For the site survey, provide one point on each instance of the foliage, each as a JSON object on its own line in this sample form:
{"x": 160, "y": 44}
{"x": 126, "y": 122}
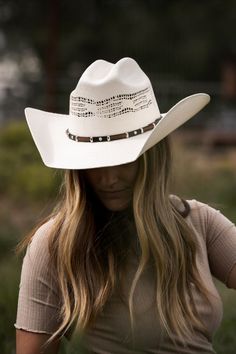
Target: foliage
{"x": 224, "y": 339}
{"x": 23, "y": 176}
{"x": 208, "y": 176}
{"x": 53, "y": 41}
{"x": 174, "y": 34}
{"x": 9, "y": 278}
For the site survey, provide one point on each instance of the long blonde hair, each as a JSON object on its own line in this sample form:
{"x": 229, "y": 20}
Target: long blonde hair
{"x": 87, "y": 265}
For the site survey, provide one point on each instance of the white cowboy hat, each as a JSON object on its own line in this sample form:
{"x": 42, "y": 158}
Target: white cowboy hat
{"x": 113, "y": 119}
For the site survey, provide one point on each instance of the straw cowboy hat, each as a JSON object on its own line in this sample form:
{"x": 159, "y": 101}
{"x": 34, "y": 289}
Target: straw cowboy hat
{"x": 113, "y": 119}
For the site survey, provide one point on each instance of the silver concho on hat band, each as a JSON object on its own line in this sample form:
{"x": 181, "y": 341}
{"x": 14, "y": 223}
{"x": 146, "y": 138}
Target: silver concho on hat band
{"x": 99, "y": 139}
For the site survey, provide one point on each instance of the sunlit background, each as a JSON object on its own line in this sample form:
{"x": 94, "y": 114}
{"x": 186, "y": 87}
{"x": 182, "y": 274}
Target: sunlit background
{"x": 184, "y": 46}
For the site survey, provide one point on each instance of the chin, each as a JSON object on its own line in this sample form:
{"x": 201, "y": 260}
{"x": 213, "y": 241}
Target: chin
{"x": 116, "y": 206}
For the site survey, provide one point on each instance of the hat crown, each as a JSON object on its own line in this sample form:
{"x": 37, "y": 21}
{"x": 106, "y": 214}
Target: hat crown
{"x": 103, "y": 79}
{"x": 111, "y": 98}
{"x": 125, "y": 71}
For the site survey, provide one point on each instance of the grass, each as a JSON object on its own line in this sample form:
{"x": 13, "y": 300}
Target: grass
{"x": 224, "y": 340}
{"x": 9, "y": 280}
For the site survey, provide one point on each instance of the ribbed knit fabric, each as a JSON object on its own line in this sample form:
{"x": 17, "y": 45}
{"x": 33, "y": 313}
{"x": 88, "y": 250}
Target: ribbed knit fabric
{"x": 39, "y": 301}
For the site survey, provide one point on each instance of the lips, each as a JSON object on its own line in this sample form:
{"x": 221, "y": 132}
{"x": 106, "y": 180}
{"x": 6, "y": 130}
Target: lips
{"x": 114, "y": 191}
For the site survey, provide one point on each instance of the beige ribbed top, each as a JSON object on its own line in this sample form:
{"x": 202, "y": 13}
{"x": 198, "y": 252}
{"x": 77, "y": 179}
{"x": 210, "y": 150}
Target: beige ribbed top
{"x": 111, "y": 333}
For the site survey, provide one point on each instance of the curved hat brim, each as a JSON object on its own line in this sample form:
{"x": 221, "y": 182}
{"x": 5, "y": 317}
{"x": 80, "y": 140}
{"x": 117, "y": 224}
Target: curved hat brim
{"x": 175, "y": 117}
{"x": 58, "y": 151}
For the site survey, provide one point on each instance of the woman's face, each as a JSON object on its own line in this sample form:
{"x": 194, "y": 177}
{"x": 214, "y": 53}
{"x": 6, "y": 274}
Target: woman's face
{"x": 113, "y": 185}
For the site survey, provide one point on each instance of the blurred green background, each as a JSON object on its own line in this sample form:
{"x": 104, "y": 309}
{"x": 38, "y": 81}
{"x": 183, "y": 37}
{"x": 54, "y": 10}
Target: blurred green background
{"x": 184, "y": 46}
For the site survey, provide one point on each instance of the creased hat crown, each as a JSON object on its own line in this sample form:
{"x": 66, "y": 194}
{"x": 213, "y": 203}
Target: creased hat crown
{"x": 126, "y": 71}
{"x": 114, "y": 96}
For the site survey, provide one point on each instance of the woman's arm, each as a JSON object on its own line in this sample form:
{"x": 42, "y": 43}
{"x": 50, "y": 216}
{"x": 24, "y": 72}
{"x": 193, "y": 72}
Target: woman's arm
{"x": 32, "y": 343}
{"x": 221, "y": 245}
{"x": 38, "y": 310}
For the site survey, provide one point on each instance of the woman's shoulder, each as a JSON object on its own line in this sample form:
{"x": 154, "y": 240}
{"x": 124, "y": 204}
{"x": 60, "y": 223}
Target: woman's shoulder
{"x": 199, "y": 205}
{"x": 194, "y": 205}
{"x": 205, "y": 212}
{"x": 38, "y": 245}
{"x": 202, "y": 214}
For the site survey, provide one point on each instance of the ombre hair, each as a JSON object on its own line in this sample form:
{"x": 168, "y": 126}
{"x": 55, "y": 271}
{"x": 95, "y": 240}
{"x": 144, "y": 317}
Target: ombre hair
{"x": 85, "y": 243}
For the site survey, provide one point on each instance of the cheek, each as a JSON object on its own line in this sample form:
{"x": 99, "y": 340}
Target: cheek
{"x": 92, "y": 177}
{"x": 132, "y": 172}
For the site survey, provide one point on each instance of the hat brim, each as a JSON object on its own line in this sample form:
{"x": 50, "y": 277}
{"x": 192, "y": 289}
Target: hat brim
{"x": 58, "y": 151}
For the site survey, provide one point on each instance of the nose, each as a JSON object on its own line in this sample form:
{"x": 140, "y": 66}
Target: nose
{"x": 108, "y": 178}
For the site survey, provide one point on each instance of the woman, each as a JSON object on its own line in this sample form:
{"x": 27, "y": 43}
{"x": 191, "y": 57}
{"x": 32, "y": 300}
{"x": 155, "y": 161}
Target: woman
{"x": 121, "y": 261}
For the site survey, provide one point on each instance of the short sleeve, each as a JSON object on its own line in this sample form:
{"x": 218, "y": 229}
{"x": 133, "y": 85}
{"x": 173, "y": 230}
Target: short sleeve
{"x": 221, "y": 243}
{"x": 38, "y": 301}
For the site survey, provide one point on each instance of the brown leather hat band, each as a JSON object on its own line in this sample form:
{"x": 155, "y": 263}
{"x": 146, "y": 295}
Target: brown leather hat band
{"x": 99, "y": 139}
